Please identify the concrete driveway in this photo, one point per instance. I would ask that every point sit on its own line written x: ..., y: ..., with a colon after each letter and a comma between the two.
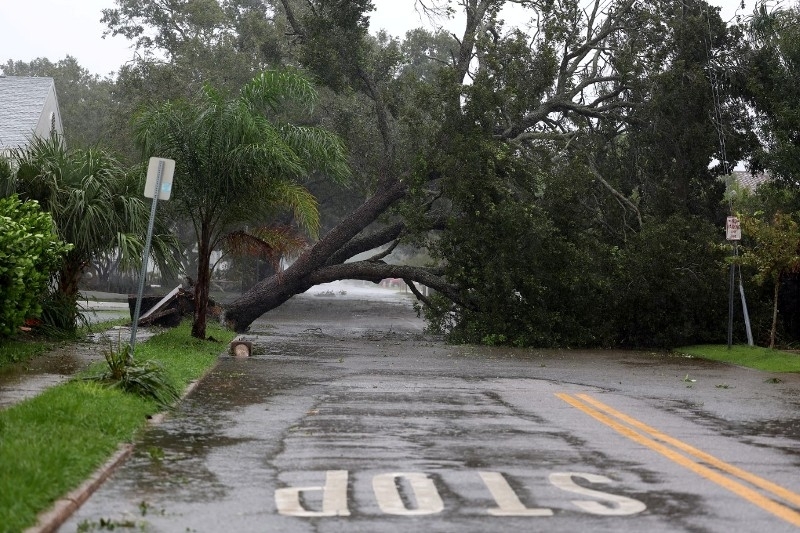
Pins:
x: 349, y: 418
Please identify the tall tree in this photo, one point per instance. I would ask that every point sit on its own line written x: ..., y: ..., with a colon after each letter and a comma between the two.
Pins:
x: 520, y: 125
x: 237, y: 163
x: 224, y: 44
x: 769, y: 72
x: 516, y: 90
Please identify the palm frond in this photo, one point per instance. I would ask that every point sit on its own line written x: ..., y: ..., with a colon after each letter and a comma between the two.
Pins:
x: 321, y: 150
x: 268, y: 242
x: 302, y: 203
x: 271, y: 87
x: 95, y: 202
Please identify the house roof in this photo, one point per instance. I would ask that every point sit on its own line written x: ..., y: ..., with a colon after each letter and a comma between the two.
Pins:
x: 23, y: 100
x: 750, y: 181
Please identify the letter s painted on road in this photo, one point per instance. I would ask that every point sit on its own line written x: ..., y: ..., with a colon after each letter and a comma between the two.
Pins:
x: 615, y: 505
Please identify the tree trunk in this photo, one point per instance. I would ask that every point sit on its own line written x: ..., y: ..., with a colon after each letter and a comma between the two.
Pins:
x: 275, y: 290
x: 202, y: 284
x: 69, y: 278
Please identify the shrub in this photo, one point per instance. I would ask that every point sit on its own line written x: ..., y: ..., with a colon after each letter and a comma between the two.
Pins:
x: 29, y: 252
x: 147, y: 379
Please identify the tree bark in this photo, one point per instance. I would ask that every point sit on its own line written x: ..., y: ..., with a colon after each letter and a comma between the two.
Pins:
x: 202, y: 284
x: 69, y: 278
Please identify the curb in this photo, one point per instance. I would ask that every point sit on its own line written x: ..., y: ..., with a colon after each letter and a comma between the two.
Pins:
x: 49, y: 521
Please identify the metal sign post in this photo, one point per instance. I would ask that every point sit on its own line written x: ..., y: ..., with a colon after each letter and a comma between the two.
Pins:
x: 733, y: 232
x: 159, y: 178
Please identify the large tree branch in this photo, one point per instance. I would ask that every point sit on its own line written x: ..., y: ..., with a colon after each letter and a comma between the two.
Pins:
x: 382, y: 115
x: 574, y: 58
x: 618, y: 195
x: 352, y: 225
x: 475, y: 11
x: 375, y: 271
x: 416, y: 292
x: 367, y: 242
x: 290, y: 17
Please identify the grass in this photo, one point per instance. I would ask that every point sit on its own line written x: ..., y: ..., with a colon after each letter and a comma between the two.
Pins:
x: 51, y: 443
x: 19, y: 350
x: 749, y: 356
x: 26, y: 346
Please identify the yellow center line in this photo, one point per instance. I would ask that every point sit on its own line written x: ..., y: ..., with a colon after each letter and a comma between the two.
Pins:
x: 777, y: 490
x: 754, y: 497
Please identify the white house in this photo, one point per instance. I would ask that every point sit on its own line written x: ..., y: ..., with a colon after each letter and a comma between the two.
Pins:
x: 28, y: 108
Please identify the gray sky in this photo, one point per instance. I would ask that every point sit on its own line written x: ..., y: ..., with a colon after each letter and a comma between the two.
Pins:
x: 57, y: 28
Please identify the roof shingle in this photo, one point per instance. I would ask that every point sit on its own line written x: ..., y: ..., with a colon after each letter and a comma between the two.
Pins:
x: 22, y: 101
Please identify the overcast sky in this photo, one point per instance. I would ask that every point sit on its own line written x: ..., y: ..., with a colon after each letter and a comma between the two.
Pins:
x: 57, y: 28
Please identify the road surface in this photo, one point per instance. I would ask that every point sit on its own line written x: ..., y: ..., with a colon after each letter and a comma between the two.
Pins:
x: 349, y: 418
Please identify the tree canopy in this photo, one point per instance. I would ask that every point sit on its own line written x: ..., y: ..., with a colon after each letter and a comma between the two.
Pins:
x: 529, y: 163
x: 769, y: 71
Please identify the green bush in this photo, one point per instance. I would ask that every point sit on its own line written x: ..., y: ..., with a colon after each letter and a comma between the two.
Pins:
x: 29, y: 252
x: 531, y: 279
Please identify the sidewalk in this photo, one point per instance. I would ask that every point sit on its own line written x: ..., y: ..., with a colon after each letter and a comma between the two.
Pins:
x: 24, y: 380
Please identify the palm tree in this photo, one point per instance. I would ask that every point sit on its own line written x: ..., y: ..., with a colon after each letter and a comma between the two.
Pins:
x: 235, y: 167
x: 96, y: 204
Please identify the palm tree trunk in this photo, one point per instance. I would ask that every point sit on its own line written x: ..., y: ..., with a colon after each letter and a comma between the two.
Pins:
x: 69, y: 278
x: 202, y: 284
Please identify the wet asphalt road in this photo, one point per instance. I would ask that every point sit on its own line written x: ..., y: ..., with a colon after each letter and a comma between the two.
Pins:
x: 349, y: 418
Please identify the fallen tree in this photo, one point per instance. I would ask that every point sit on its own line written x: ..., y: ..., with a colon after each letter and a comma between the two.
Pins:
x: 572, y: 82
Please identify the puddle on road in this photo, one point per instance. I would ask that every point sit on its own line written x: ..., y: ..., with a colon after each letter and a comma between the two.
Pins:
x: 173, y: 462
x: 177, y: 461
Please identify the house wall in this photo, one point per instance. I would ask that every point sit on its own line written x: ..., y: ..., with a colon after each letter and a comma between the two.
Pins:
x: 50, y: 119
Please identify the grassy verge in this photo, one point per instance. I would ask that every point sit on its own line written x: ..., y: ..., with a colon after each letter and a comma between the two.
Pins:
x: 19, y: 350
x: 749, y: 356
x: 26, y: 346
x: 51, y: 443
